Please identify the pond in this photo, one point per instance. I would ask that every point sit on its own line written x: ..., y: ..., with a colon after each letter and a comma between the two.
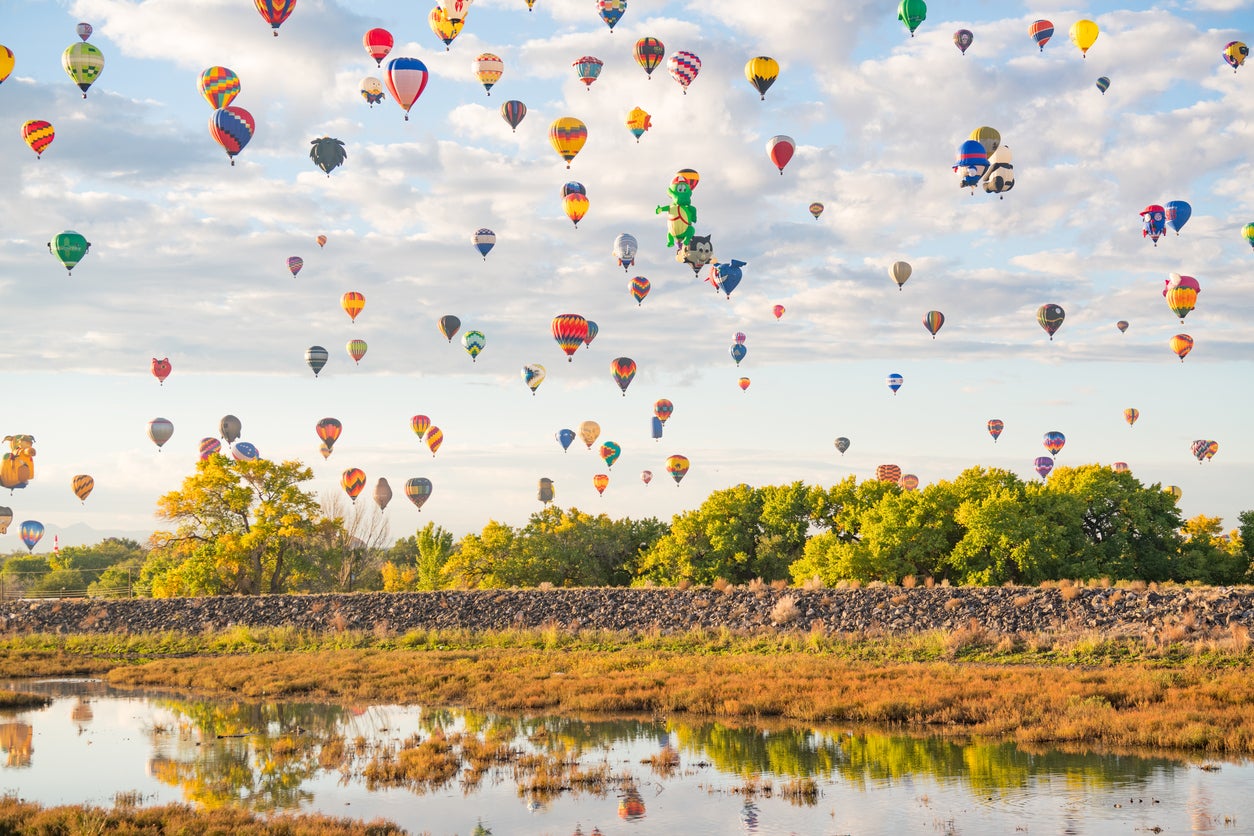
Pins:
x: 444, y: 771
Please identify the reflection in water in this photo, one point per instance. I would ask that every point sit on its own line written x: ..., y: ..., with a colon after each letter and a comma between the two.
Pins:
x: 16, y: 740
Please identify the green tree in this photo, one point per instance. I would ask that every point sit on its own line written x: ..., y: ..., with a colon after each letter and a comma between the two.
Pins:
x: 717, y: 540
x: 422, y: 561
x: 241, y: 527
x: 1210, y: 556
x: 488, y: 560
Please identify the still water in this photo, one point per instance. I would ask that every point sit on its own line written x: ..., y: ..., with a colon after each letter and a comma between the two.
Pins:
x: 447, y: 771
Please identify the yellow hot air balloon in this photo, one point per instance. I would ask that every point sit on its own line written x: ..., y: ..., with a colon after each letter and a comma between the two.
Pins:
x: 443, y: 28
x: 488, y: 69
x: 638, y: 121
x: 353, y: 303
x: 762, y: 72
x: 589, y: 432
x: 6, y: 62
x: 1083, y: 34
x: 576, y: 206
x: 568, y: 135
x: 990, y: 138
x: 82, y: 485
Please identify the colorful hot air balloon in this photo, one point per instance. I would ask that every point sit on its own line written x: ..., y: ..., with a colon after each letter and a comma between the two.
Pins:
x: 1131, y: 414
x: 601, y: 481
x: 209, y: 446
x: 1043, y: 465
x: 231, y: 127
x: 449, y: 325
x: 683, y: 67
x: 352, y: 303
x: 1122, y: 325
x: 378, y: 43
x: 1247, y: 232
x: 971, y: 165
x: 899, y: 272
x: 816, y: 209
x: 406, y: 79
x: 38, y: 135
x: 625, y: 246
x: 544, y: 493
x: 761, y: 73
x: 1181, y: 294
x: 588, y: 69
x: 327, y: 153
x: 739, y: 337
x: 1054, y: 442
x: 564, y: 437
x: 533, y: 375
x: 1120, y: 467
x: 908, y: 482
x: 488, y: 69
x: 420, y: 424
x: 610, y: 451
x: 83, y: 30
x: 316, y: 357
x: 274, y: 12
x: 1103, y: 84
x: 455, y: 10
x: 911, y: 13
x: 356, y: 349
x: 1178, y: 214
x: 69, y: 247
x: 382, y: 493
x: 230, y: 428
x: 995, y: 426
x: 677, y: 467
x: 418, y: 491
x: 738, y: 352
x: 646, y: 476
x: 894, y: 381
x: 888, y: 473
x: 161, y: 369
x: 242, y: 451
x: 1041, y: 31
x: 6, y: 517
x: 780, y: 150
x: 1050, y: 318
x: 989, y: 138
x: 82, y: 486
x: 294, y: 264
x: 963, y: 38
x: 435, y: 438
x: 1181, y: 344
x: 513, y: 112
x: 1175, y: 491
x: 160, y: 430
x: 1235, y: 54
x: 443, y: 28
x: 611, y: 11
x: 662, y: 409
x: 778, y: 311
x: 932, y: 321
x: 1083, y: 34
x: 638, y: 121
x: 567, y: 136
x: 474, y: 342
x: 570, y: 331
x: 31, y: 532
x: 353, y: 481
x: 842, y: 444
x: 83, y: 63
x: 640, y: 288
x: 649, y: 53
x: 328, y: 430
x: 322, y: 241
x: 589, y: 431
x: 743, y: 383
x: 576, y: 206
x: 1153, y: 222
x: 592, y: 333
x: 219, y: 86
x: 623, y: 369
x: 484, y: 240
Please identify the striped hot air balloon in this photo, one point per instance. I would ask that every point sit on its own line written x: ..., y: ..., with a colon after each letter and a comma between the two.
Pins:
x: 275, y: 12
x: 640, y: 287
x: 232, y: 128
x: 82, y: 485
x: 353, y: 481
x: 406, y: 79
x: 219, y: 86
x: 623, y: 370
x: 570, y: 331
x: 649, y: 53
x: 38, y: 135
x: 352, y: 302
x: 418, y: 491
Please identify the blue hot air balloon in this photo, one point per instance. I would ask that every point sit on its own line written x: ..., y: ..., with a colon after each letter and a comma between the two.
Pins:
x: 894, y: 382
x: 484, y: 240
x: 565, y: 437
x: 1178, y: 214
x: 31, y: 531
x: 657, y: 427
x: 738, y: 352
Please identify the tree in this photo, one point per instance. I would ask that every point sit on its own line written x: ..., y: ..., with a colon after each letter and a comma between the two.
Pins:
x: 418, y: 562
x: 717, y: 540
x: 242, y: 527
x: 1210, y: 556
x: 346, y: 545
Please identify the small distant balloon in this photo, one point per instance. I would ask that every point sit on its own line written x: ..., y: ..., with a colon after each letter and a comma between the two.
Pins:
x: 780, y: 150
x: 316, y: 358
x: 842, y: 444
x: 899, y: 272
x: 1103, y: 84
x: 995, y: 427
x: 1131, y: 414
x: 382, y: 494
x: 565, y: 437
x: 449, y: 326
x: 894, y: 382
x: 1181, y: 345
x: 294, y: 265
x: 1043, y: 465
x: 932, y: 321
x: 601, y: 481
x: 743, y: 383
x: 160, y: 430
x: 761, y: 73
x: 677, y: 466
x: 1122, y: 325
x: 1054, y: 442
x: 1050, y: 318
x: 963, y: 39
x: 83, y: 30
x: 816, y: 209
x: 209, y: 446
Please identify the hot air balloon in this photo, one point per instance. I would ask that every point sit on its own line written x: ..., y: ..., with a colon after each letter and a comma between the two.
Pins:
x: 638, y: 121
x: 625, y: 246
x: 1083, y: 34
x: 420, y: 424
x: 1050, y: 318
x: 888, y: 473
x: 161, y: 369
x: 230, y: 428
x: 82, y: 485
x: 932, y: 321
x: 322, y: 241
x: 575, y: 206
x: 601, y: 481
x: 1120, y: 467
x: 610, y: 452
x: 352, y: 303
x: 1054, y: 442
x: 324, y: 450
x: 738, y: 352
x: 294, y: 263
x: 1181, y: 344
x: 623, y: 369
x: 1041, y: 31
x: 683, y: 67
x: 474, y: 342
x: 611, y: 11
x: 6, y: 517
x: 38, y: 135
x: 242, y: 451
x: 971, y: 165
x: 1181, y: 294
x: 435, y: 438
x: 443, y: 28
x: 1178, y: 214
x: 989, y: 138
x: 816, y: 209
x: 778, y: 311
x: 649, y: 53
x: 588, y: 69
x: 83, y: 63
x: 1175, y: 491
x: 545, y: 491
x: 1043, y: 465
x: 909, y: 482
x: 219, y: 86
x: 574, y: 187
x: 842, y: 444
x: 378, y: 43
x: 739, y: 337
x: 231, y: 127
x: 899, y: 272
x: 31, y: 532
x: 995, y: 426
x: 328, y: 430
x: 484, y: 240
x: 646, y: 476
x: 780, y: 149
x: 533, y: 375
x: 894, y: 382
x: 1153, y: 222
x: 449, y: 325
x: 83, y: 30
x: 655, y: 428
x: 743, y: 383
x: 316, y: 356
x: 1000, y: 177
x: 1198, y: 449
x: 911, y: 13
x: 513, y: 112
x: 356, y: 349
x: 592, y: 333
x: 274, y: 12
x: 662, y: 409
x: 963, y: 38
x: 160, y: 430
x: 328, y: 153
x: 1235, y: 54
x: 382, y: 494
x: 353, y: 481
x: 6, y: 62
x: 570, y: 331
x: 1103, y: 84
x: 762, y: 72
x: 589, y: 431
x: 677, y: 467
x: 406, y: 79
x: 1247, y: 232
x: 640, y: 288
x: 1131, y: 414
x: 564, y: 437
x: 488, y: 69
x: 567, y: 136
x: 418, y: 491
x: 69, y: 247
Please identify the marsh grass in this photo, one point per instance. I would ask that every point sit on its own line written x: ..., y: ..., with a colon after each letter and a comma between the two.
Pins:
x: 18, y: 700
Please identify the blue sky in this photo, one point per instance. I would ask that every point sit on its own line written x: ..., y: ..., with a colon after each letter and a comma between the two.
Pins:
x: 189, y: 254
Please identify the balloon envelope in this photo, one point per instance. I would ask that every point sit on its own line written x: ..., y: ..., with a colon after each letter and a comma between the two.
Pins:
x: 31, y: 532
x: 83, y: 63
x: 219, y: 86
x: 761, y: 73
x: 780, y: 149
x: 418, y: 491
x: 160, y: 430
x: 406, y: 79
x: 382, y: 494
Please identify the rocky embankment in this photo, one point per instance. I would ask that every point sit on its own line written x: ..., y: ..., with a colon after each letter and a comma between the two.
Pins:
x: 1170, y: 613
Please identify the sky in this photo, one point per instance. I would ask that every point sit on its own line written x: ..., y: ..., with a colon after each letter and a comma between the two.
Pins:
x: 189, y: 254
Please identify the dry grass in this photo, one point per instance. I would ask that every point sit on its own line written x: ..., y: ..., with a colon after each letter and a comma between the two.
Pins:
x: 801, y: 792
x: 909, y: 582
x: 779, y: 585
x: 898, y: 600
x: 953, y: 604
x: 757, y: 586
x: 683, y: 585
x: 664, y: 762
x: 723, y: 585
x: 1069, y: 590
x: 785, y: 610
x: 1022, y: 601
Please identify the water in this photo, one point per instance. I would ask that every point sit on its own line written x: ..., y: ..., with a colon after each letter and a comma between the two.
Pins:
x: 94, y: 742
